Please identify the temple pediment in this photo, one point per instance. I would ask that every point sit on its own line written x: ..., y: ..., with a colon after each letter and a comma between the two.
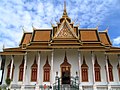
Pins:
x: 65, y: 31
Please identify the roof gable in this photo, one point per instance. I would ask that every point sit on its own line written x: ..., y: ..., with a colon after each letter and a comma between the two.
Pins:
x: 65, y: 31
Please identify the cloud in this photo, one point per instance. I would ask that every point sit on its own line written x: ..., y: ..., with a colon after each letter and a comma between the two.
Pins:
x: 18, y: 13
x: 116, y: 41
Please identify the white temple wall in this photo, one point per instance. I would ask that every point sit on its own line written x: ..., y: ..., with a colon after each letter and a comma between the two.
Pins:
x: 101, y: 61
x: 114, y: 62
x: 7, y: 61
x: 58, y: 59
x: 30, y: 61
x: 72, y: 57
x: 42, y: 63
x: 17, y: 62
x: 88, y: 60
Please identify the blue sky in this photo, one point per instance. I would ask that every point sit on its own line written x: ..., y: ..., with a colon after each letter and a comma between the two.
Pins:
x: 15, y: 14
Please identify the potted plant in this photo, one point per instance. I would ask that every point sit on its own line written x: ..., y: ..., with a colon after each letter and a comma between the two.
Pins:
x: 8, y: 81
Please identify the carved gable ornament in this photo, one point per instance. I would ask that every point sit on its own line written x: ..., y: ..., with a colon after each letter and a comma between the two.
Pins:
x: 65, y: 32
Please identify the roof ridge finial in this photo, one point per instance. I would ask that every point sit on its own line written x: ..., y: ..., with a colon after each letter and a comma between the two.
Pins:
x: 3, y: 46
x: 23, y: 29
x: 107, y: 29
x: 65, y: 11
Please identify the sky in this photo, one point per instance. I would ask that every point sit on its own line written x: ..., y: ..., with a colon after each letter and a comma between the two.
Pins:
x: 16, y: 15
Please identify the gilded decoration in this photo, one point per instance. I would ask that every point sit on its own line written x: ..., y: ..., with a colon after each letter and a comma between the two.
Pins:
x: 65, y: 32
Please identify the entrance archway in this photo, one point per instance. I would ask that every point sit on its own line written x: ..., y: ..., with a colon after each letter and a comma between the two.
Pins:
x: 65, y: 71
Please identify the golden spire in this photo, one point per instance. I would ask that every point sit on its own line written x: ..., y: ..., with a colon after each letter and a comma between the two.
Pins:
x: 65, y: 16
x: 65, y: 12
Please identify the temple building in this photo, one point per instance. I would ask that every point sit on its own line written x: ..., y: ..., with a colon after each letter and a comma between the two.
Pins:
x: 64, y: 57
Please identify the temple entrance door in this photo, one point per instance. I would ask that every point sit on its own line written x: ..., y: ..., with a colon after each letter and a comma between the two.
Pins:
x: 65, y: 71
x: 65, y: 75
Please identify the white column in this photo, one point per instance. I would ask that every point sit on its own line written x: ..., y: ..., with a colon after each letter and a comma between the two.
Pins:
x: 107, y: 73
x: 93, y: 72
x: 0, y: 61
x: 52, y: 78
x: 24, y: 72
x: 11, y: 66
x: 80, y: 77
x: 38, y: 72
x: 93, y: 61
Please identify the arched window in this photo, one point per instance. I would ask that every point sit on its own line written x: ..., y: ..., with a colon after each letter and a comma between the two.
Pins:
x: 46, y: 68
x: 118, y: 71
x: 8, y: 72
x: 110, y: 67
x: 34, y: 71
x: 97, y: 70
x: 21, y: 69
x: 84, y: 69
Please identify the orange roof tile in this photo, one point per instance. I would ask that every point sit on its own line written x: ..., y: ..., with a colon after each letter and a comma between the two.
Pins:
x: 26, y: 38
x: 88, y: 35
x: 104, y: 38
x: 42, y: 35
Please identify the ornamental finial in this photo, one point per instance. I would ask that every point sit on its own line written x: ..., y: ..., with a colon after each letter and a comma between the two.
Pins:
x: 65, y: 12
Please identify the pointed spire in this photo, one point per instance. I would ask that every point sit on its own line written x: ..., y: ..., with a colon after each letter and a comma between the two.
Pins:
x: 22, y: 64
x: 96, y: 59
x: 23, y: 60
x: 35, y: 60
x: 65, y: 16
x: 84, y: 60
x: 109, y: 64
x: 47, y: 60
x: 96, y: 62
x: 9, y: 64
x: 65, y: 63
x: 65, y: 12
x: 65, y: 59
x: 35, y: 63
x: 84, y: 63
x: 47, y: 65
